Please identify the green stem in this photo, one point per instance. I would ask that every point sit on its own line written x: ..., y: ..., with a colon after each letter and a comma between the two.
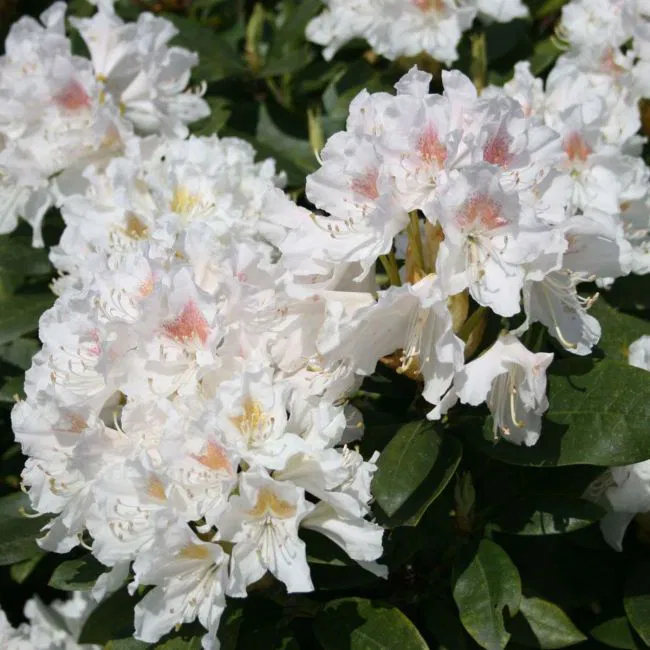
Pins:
x: 390, y: 266
x: 471, y: 323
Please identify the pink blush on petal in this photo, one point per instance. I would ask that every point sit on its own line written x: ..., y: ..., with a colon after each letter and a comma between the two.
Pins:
x: 190, y: 324
x: 72, y: 97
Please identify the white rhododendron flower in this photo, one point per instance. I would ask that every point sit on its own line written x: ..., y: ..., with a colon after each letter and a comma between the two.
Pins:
x: 56, y: 626
x: 512, y: 381
x: 61, y: 112
x: 396, y: 28
x: 145, y: 77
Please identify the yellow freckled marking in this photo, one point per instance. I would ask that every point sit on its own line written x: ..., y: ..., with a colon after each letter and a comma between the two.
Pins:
x: 267, y: 501
x: 195, y: 552
x: 215, y: 458
x: 183, y: 201
x: 156, y: 489
x: 135, y: 227
x: 252, y: 419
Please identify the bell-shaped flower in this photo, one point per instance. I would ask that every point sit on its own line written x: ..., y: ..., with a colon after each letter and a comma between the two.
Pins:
x: 512, y: 381
x: 262, y: 521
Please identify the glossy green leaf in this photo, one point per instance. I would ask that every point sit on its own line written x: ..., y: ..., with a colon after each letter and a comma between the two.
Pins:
x: 217, y: 59
x: 126, y: 644
x: 22, y: 570
x: 541, y: 624
x: 637, y: 599
x: 550, y: 7
x: 441, y: 620
x: 112, y: 619
x: 544, y: 56
x: 18, y: 254
x: 77, y: 575
x: 12, y: 387
x: 19, y: 353
x: 220, y: 111
x: 599, y: 414
x: 18, y: 532
x: 360, y: 624
x: 404, y: 464
x: 485, y: 583
x: 547, y: 515
x: 413, y: 470
x: 616, y: 633
x: 19, y: 315
x: 619, y: 330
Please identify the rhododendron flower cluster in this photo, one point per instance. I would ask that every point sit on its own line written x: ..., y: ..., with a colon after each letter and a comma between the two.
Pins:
x: 396, y: 28
x: 61, y: 112
x: 178, y: 413
x: 189, y: 414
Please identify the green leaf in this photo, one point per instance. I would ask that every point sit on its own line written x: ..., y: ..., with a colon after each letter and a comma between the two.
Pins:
x: 21, y: 571
x: 77, y: 575
x: 541, y: 624
x: 17, y: 253
x: 441, y: 620
x: 293, y: 155
x: 217, y: 59
x: 413, y: 470
x: 229, y: 625
x: 331, y: 567
x: 544, y: 55
x: 484, y: 584
x: 547, y: 515
x: 220, y: 111
x: 180, y: 643
x: 20, y: 314
x: 619, y: 330
x: 629, y: 293
x: 288, y: 52
x: 112, y: 619
x: 19, y: 353
x: 18, y: 532
x: 502, y: 38
x: 599, y: 414
x: 636, y: 600
x: 126, y: 644
x: 615, y: 633
x: 360, y: 624
x: 12, y: 386
x: 550, y: 7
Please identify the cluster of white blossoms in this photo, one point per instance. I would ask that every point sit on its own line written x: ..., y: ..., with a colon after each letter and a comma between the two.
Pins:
x: 56, y: 626
x: 591, y: 99
x: 188, y: 414
x: 60, y: 112
x: 396, y: 28
x: 180, y: 419
x: 179, y: 415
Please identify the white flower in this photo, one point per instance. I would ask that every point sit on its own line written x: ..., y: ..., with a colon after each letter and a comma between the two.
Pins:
x: 56, y: 626
x: 145, y: 77
x: 190, y: 578
x: 262, y: 522
x: 394, y: 28
x: 512, y: 380
x: 502, y: 11
x: 483, y: 249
